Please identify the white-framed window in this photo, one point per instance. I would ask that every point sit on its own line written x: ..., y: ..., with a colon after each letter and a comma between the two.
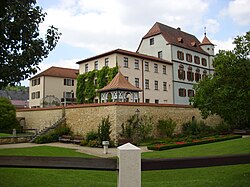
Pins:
x: 35, y: 82
x: 156, y: 101
x: 38, y: 95
x: 126, y: 78
x: 156, y: 85
x: 151, y: 41
x: 164, y: 69
x: 96, y: 65
x: 86, y: 68
x: 106, y: 61
x: 137, y: 82
x: 68, y: 82
x: 146, y: 84
x: 146, y: 66
x: 165, y: 86
x: 189, y: 57
x: 156, y: 68
x: 159, y: 54
x: 125, y: 62
x: 136, y: 64
x: 182, y: 92
x: 33, y: 95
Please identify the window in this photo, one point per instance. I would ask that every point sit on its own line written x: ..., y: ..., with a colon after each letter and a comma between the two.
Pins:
x: 180, y: 55
x: 68, y: 82
x: 160, y: 54
x: 190, y: 93
x: 164, y: 86
x: 146, y: 84
x: 126, y: 78
x: 68, y: 95
x: 190, y: 74
x: 146, y: 66
x: 181, y: 72
x: 156, y: 68
x: 197, y: 75
x: 147, y: 100
x: 156, y: 85
x: 86, y: 68
x: 125, y: 62
x: 164, y: 69
x: 196, y: 60
x: 151, y: 41
x: 156, y: 101
x: 33, y: 95
x: 35, y: 82
x: 96, y: 65
x: 106, y: 61
x: 137, y: 82
x: 182, y: 92
x: 95, y: 81
x: 204, y: 62
x: 136, y: 64
x: 38, y: 95
x: 204, y: 75
x: 188, y: 57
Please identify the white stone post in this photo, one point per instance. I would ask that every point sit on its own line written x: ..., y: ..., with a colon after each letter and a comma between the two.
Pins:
x: 129, y: 166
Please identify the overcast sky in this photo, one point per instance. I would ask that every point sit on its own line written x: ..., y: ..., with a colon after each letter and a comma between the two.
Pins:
x: 91, y: 27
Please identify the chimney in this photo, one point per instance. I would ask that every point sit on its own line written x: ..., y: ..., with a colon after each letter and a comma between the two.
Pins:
x: 178, y: 28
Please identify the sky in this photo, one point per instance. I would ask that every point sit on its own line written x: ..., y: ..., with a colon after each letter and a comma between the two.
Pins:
x: 91, y: 27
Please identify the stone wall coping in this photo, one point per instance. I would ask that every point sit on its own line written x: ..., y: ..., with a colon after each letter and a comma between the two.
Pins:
x: 107, y: 104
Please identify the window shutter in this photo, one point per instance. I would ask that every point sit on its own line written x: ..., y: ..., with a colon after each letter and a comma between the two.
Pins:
x: 65, y: 82
x: 72, y: 82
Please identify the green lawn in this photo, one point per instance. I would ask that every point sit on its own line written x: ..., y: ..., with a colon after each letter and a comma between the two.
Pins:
x: 238, y: 175
x: 5, y: 134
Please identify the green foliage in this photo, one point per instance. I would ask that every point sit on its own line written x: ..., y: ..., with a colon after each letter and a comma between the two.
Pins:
x: 205, y: 141
x: 8, y: 119
x: 104, y: 130
x: 92, y: 135
x: 137, y: 128
x: 199, y: 129
x: 21, y: 47
x: 223, y: 128
x: 226, y: 93
x: 53, y: 136
x: 166, y: 127
x: 87, y: 89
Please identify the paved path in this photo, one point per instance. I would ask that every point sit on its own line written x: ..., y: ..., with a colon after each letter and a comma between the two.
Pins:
x: 112, y: 152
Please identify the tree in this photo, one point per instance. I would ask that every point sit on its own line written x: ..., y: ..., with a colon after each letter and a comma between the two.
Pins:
x: 8, y: 119
x: 21, y: 47
x: 227, y: 93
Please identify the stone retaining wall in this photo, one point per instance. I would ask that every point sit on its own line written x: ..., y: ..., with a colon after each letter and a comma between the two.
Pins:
x: 15, y: 139
x: 84, y: 118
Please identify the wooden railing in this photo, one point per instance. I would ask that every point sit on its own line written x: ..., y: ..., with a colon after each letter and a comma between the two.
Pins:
x: 112, y: 164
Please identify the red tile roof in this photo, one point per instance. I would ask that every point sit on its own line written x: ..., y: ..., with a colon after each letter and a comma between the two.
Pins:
x: 119, y: 82
x: 58, y: 72
x: 125, y: 52
x: 206, y: 41
x: 175, y: 37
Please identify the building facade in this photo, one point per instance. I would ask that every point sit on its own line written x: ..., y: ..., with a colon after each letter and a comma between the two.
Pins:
x: 53, y: 86
x: 191, y: 59
x: 152, y: 75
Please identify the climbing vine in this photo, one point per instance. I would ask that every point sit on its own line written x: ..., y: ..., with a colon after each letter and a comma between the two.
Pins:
x: 88, y: 83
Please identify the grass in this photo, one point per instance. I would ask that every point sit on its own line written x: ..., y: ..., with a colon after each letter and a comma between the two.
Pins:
x: 5, y: 134
x: 238, y: 175
x: 236, y: 146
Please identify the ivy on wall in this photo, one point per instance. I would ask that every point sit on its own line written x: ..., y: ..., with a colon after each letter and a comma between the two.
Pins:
x: 88, y: 83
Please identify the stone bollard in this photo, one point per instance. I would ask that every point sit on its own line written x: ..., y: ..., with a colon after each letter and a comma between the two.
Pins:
x: 129, y: 166
x: 14, y: 132
x: 105, y: 146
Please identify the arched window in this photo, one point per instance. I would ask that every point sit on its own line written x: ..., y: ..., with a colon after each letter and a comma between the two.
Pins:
x: 190, y: 74
x: 197, y: 75
x: 181, y: 72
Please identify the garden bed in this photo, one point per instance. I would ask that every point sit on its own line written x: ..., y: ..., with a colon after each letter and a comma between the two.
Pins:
x: 164, y: 145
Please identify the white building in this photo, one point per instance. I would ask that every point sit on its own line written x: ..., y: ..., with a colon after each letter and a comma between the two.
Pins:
x: 191, y: 58
x: 55, y: 82
x: 152, y: 75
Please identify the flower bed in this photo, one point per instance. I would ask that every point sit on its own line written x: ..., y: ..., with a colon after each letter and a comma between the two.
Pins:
x: 165, y: 146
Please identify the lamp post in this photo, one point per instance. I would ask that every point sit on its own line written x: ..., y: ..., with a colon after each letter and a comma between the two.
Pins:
x: 72, y: 96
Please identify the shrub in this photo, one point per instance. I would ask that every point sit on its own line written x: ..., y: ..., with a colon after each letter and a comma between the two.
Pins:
x: 104, y: 130
x: 199, y: 129
x: 137, y: 129
x: 92, y: 135
x: 166, y: 127
x: 8, y: 119
x: 223, y: 128
x: 53, y: 136
x: 94, y: 143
